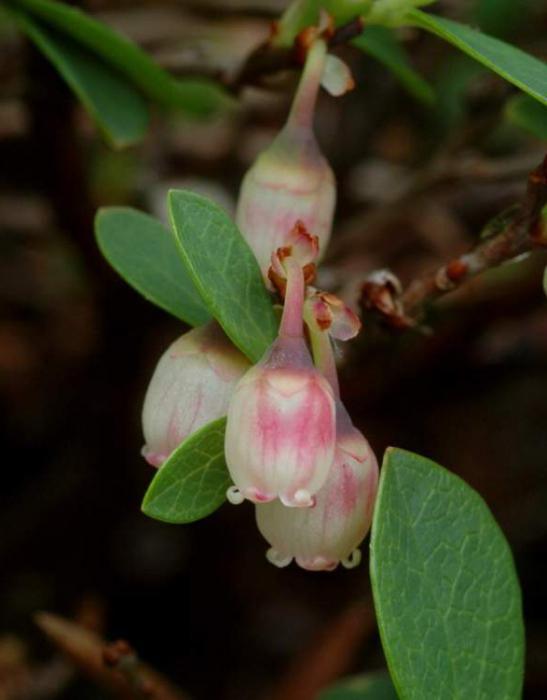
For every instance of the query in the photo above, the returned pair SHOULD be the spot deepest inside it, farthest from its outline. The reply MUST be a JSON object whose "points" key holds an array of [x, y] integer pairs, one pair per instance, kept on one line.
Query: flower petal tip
{"points": [[277, 559]]}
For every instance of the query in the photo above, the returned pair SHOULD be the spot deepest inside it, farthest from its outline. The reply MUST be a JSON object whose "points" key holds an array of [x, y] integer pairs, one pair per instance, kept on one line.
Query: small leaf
{"points": [[192, 483], [382, 44], [143, 252], [119, 110], [197, 96], [446, 594], [528, 114], [526, 72], [370, 686], [225, 271]]}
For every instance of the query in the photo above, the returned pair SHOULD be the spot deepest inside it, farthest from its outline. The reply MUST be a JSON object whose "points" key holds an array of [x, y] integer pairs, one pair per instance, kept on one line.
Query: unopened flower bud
{"points": [[321, 537], [191, 386], [291, 180], [280, 432]]}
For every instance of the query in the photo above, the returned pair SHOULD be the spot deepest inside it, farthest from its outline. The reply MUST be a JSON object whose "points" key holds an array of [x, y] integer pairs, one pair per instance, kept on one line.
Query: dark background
{"points": [[77, 348]]}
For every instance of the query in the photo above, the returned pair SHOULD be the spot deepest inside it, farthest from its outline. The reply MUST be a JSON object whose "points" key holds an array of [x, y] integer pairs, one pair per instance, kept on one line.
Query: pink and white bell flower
{"points": [[280, 433], [191, 386], [329, 533], [291, 180]]}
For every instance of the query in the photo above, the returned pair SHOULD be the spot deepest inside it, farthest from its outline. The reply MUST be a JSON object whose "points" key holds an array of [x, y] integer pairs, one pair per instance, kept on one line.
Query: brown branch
{"points": [[113, 666], [267, 58], [510, 235], [329, 656]]}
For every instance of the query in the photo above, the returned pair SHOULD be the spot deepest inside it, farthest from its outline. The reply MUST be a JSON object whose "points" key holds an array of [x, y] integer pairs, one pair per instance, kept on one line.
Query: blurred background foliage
{"points": [[417, 182]]}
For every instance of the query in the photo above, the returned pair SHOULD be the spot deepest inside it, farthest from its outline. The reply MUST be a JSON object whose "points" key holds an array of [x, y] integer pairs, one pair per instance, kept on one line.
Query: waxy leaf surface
{"points": [[526, 72], [145, 254], [197, 96], [117, 107], [225, 271], [373, 686], [192, 483], [445, 590]]}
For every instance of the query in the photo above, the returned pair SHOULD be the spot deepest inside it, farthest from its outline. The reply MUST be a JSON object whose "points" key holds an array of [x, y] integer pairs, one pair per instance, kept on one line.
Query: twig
{"points": [[330, 656], [514, 233], [267, 58], [114, 666]]}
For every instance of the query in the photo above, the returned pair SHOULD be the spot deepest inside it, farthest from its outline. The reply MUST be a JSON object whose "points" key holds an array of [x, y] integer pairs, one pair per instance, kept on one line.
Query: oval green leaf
{"points": [[370, 686], [197, 96], [526, 72], [382, 44], [225, 271], [192, 483], [118, 109], [142, 251], [446, 594]]}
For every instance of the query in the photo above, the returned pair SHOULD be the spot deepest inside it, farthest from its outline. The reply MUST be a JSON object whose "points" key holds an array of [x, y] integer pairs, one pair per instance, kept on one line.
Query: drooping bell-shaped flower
{"points": [[281, 421], [329, 533], [191, 386], [291, 180]]}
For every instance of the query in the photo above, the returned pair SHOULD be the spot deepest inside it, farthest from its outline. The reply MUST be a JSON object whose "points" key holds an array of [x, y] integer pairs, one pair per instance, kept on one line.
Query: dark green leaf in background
{"points": [[500, 17], [198, 96], [526, 72], [119, 110], [145, 254], [373, 686], [192, 483], [446, 594], [382, 44], [453, 81], [225, 271], [528, 114]]}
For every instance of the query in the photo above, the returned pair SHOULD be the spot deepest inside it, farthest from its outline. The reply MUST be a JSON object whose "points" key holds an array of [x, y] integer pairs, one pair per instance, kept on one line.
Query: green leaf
{"points": [[528, 114], [225, 271], [500, 17], [452, 84], [197, 96], [382, 44], [526, 72], [192, 483], [119, 110], [305, 13], [371, 686], [144, 253], [445, 590]]}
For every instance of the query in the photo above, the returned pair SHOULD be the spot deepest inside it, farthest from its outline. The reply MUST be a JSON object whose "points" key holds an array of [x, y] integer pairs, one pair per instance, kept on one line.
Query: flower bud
{"points": [[281, 421], [290, 180], [321, 537], [191, 386]]}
